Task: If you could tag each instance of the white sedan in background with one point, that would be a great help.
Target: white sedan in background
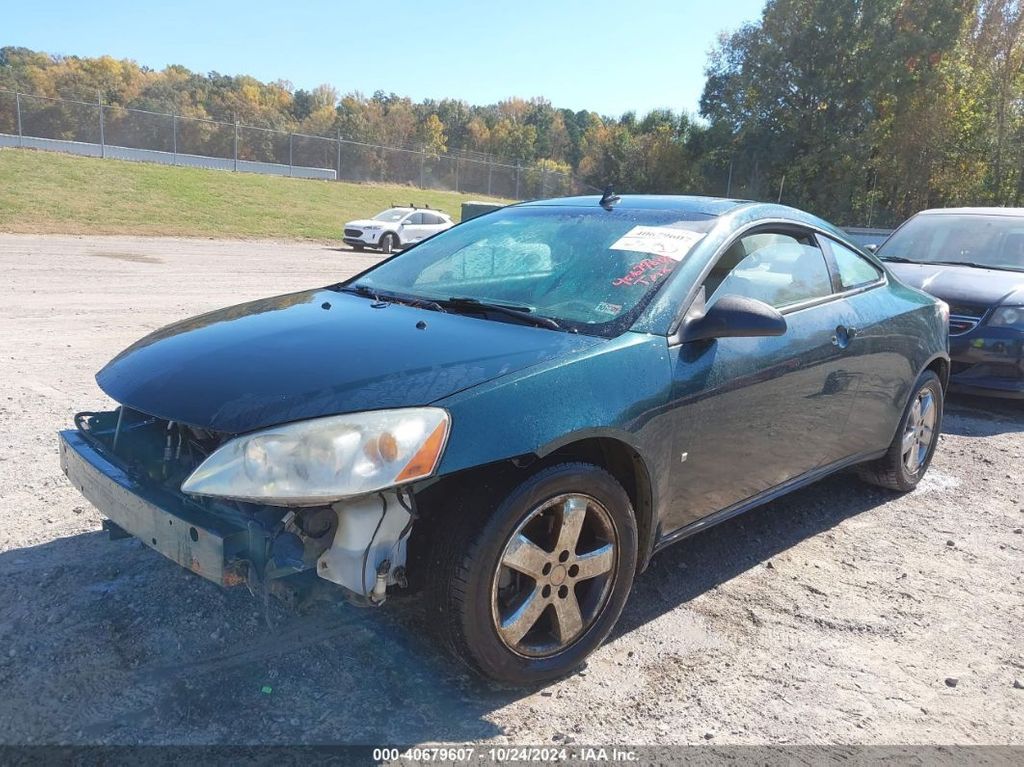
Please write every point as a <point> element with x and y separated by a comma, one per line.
<point>396,228</point>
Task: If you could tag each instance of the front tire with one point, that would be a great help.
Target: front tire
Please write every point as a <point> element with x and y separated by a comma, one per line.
<point>388,243</point>
<point>911,451</point>
<point>358,248</point>
<point>523,595</point>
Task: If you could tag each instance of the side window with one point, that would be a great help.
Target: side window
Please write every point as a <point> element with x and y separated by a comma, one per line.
<point>415,218</point>
<point>779,269</point>
<point>430,218</point>
<point>854,269</point>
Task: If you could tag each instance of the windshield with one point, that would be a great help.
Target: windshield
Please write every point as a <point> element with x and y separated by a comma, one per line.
<point>992,241</point>
<point>391,215</point>
<point>589,270</point>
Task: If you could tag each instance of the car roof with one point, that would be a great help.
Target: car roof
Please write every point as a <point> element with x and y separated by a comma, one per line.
<point>973,212</point>
<point>406,209</point>
<point>714,207</point>
<point>709,206</point>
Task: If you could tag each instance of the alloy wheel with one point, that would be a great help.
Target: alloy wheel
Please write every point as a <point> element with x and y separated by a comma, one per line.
<point>920,431</point>
<point>554,576</point>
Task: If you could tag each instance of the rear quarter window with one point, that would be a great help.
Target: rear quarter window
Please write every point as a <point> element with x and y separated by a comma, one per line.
<point>854,270</point>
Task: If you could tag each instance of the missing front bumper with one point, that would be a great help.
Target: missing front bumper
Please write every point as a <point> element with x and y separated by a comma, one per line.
<point>363,551</point>
<point>196,540</point>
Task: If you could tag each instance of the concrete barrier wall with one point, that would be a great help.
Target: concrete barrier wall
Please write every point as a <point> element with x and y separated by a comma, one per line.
<point>165,158</point>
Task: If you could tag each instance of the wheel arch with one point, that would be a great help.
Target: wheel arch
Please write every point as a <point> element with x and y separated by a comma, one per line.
<point>629,468</point>
<point>488,483</point>
<point>940,365</point>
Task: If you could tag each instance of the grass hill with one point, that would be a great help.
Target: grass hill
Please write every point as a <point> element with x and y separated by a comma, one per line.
<point>44,192</point>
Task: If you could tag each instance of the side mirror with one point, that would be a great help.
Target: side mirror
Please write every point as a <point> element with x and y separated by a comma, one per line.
<point>872,248</point>
<point>733,317</point>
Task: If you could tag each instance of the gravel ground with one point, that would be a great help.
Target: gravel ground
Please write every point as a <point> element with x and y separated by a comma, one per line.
<point>841,614</point>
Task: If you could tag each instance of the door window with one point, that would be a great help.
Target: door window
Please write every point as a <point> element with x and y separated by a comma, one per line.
<point>779,269</point>
<point>415,218</point>
<point>854,269</point>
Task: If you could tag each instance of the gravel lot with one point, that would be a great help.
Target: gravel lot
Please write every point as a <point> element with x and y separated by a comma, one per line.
<point>839,614</point>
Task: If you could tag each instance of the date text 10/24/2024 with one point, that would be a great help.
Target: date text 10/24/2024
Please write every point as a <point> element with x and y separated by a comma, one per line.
<point>503,754</point>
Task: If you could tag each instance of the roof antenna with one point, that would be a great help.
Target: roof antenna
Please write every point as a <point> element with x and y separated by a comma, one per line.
<point>609,198</point>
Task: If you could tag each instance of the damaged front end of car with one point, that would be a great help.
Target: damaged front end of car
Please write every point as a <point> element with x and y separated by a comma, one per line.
<point>330,496</point>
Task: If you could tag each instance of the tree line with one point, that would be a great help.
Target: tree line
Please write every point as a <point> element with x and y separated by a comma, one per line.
<point>862,111</point>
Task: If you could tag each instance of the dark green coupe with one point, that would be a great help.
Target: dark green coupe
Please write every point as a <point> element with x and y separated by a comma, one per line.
<point>511,418</point>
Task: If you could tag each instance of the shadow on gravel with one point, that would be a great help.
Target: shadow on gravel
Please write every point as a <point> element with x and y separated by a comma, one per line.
<point>106,642</point>
<point>710,558</point>
<point>982,416</point>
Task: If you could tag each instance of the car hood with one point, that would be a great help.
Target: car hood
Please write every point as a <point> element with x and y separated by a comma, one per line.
<point>365,222</point>
<point>318,353</point>
<point>963,284</point>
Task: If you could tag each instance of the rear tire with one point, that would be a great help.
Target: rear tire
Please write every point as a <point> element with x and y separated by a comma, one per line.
<point>388,243</point>
<point>572,526</point>
<point>911,451</point>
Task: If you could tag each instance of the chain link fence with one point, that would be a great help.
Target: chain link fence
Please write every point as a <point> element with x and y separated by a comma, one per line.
<point>100,130</point>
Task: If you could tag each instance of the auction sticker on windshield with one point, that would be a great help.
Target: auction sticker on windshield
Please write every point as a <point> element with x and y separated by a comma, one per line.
<point>660,240</point>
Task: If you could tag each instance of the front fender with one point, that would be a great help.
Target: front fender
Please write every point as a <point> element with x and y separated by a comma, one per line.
<point>617,388</point>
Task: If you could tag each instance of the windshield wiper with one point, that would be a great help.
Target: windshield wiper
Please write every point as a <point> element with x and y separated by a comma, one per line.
<point>362,290</point>
<point>972,264</point>
<point>414,301</point>
<point>898,259</point>
<point>979,266</point>
<point>521,313</point>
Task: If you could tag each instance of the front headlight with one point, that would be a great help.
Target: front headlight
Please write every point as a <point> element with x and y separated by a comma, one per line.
<point>1008,317</point>
<point>371,228</point>
<point>309,463</point>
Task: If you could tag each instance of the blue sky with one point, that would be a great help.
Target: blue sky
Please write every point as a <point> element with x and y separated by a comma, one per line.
<point>605,55</point>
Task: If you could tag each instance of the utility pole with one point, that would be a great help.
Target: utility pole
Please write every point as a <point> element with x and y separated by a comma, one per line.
<point>174,136</point>
<point>99,105</point>
<point>782,186</point>
<point>871,198</point>
<point>728,185</point>
<point>17,105</point>
<point>337,172</point>
<point>291,136</point>
<point>235,119</point>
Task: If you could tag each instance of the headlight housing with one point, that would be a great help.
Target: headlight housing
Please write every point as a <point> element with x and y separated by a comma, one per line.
<point>371,228</point>
<point>309,463</point>
<point>1008,317</point>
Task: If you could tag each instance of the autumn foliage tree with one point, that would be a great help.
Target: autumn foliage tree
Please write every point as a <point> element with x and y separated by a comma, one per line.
<point>862,111</point>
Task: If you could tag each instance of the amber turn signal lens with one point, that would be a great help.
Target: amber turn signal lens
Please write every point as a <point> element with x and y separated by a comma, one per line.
<point>425,461</point>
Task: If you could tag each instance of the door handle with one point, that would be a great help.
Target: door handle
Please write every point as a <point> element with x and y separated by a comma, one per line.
<point>842,336</point>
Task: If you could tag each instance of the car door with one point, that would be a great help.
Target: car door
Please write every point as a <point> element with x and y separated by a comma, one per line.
<point>413,229</point>
<point>751,414</point>
<point>877,357</point>
<point>432,224</point>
